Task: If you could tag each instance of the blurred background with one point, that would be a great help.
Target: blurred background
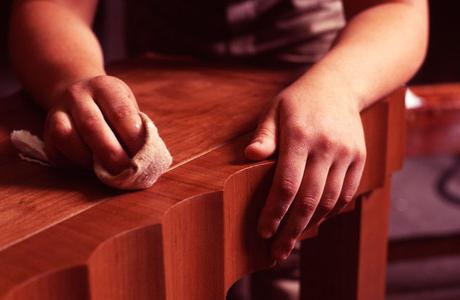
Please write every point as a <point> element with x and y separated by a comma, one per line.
<point>424,253</point>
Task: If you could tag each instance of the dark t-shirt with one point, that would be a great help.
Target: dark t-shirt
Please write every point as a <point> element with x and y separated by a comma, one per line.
<point>298,31</point>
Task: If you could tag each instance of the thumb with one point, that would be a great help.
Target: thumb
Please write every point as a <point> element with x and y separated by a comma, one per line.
<point>263,143</point>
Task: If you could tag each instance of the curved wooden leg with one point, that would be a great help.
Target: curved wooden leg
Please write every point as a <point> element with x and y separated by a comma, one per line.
<point>347,260</point>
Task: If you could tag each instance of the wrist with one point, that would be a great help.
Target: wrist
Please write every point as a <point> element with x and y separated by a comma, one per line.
<point>332,81</point>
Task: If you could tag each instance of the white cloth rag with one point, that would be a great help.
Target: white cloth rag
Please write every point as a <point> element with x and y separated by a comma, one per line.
<point>152,160</point>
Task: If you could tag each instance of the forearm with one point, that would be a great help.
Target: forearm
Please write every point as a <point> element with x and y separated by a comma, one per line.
<point>52,46</point>
<point>379,50</point>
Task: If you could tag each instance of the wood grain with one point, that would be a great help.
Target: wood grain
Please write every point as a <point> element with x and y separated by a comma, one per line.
<point>192,234</point>
<point>193,118</point>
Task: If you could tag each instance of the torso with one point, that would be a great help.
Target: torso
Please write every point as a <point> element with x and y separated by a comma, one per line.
<point>284,30</point>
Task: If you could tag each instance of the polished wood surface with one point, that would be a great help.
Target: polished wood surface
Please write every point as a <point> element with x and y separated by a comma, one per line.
<point>194,114</point>
<point>190,236</point>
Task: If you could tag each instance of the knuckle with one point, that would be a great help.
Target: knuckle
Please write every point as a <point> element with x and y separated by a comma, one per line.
<point>298,132</point>
<point>326,206</point>
<point>330,197</point>
<point>345,151</point>
<point>361,154</point>
<point>111,84</point>
<point>306,205</point>
<point>284,103</point>
<point>264,132</point>
<point>348,196</point>
<point>107,88</point>
<point>122,112</point>
<point>58,130</point>
<point>73,91</point>
<point>325,143</point>
<point>102,80</point>
<point>90,122</point>
<point>293,232</point>
<point>277,212</point>
<point>287,188</point>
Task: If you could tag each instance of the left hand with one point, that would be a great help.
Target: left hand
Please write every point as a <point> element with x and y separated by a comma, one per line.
<point>319,136</point>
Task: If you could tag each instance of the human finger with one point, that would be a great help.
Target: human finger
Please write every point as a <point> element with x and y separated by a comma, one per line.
<point>263,144</point>
<point>120,110</point>
<point>286,181</point>
<point>332,190</point>
<point>61,133</point>
<point>303,207</point>
<point>350,185</point>
<point>98,135</point>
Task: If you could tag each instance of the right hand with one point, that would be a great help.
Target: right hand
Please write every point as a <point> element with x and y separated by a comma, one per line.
<point>94,118</point>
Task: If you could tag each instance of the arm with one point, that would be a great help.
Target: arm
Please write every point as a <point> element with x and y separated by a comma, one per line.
<point>381,48</point>
<point>59,61</point>
<point>315,122</point>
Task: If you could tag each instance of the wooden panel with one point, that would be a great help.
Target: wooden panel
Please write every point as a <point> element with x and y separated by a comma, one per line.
<point>347,260</point>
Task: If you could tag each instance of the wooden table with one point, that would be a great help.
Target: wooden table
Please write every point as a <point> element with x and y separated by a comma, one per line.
<point>433,128</point>
<point>66,236</point>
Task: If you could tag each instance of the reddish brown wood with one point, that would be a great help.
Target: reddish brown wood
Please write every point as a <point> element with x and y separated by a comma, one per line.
<point>192,234</point>
<point>348,258</point>
<point>194,117</point>
<point>415,248</point>
<point>434,127</point>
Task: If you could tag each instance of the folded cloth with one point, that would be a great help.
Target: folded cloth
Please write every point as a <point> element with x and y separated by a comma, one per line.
<point>30,147</point>
<point>152,160</point>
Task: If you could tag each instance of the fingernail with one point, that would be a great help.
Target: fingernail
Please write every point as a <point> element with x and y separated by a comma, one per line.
<point>257,143</point>
<point>284,256</point>
<point>279,256</point>
<point>265,233</point>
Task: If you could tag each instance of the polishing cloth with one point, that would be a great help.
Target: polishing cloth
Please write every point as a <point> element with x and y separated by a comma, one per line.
<point>152,160</point>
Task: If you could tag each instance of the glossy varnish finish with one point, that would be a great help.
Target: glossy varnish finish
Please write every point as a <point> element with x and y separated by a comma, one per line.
<point>190,236</point>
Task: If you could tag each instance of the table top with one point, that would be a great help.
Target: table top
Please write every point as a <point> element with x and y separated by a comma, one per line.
<point>205,113</point>
<point>434,126</point>
<point>194,115</point>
